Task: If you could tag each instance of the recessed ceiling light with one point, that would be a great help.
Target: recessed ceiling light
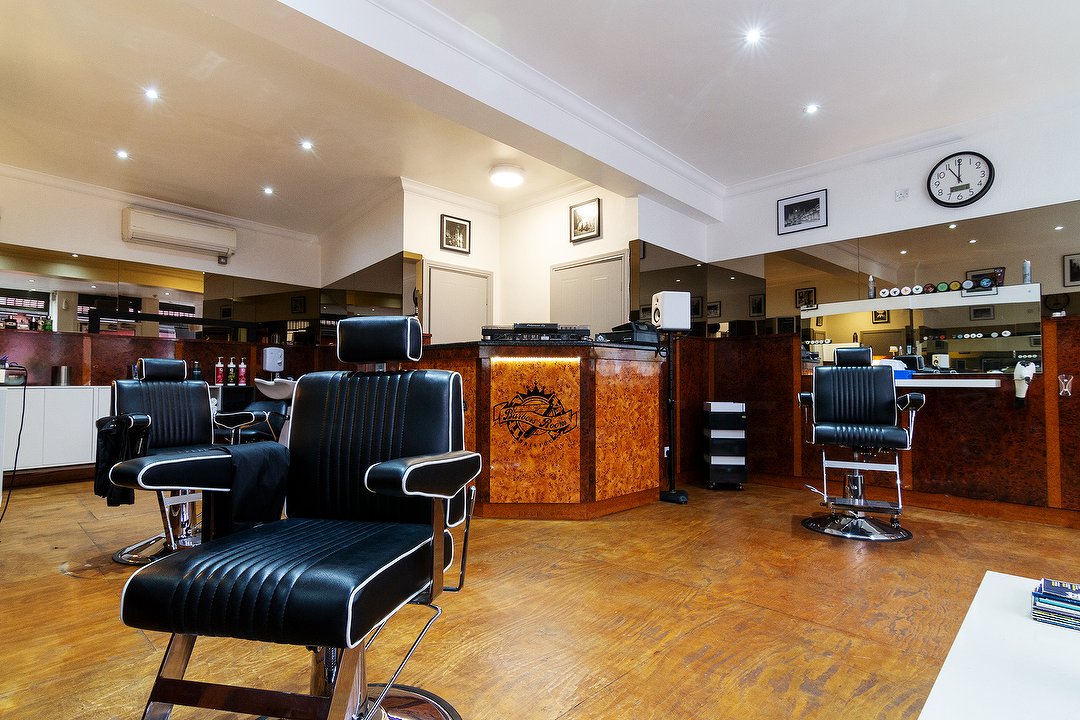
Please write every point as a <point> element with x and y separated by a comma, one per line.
<point>952,226</point>
<point>972,241</point>
<point>151,93</point>
<point>75,255</point>
<point>93,287</point>
<point>676,280</point>
<point>307,144</point>
<point>732,277</point>
<point>753,35</point>
<point>31,280</point>
<point>506,175</point>
<point>698,265</point>
<point>122,154</point>
<point>811,108</point>
<point>166,294</point>
<point>903,252</point>
<point>1059,227</point>
<point>268,190</point>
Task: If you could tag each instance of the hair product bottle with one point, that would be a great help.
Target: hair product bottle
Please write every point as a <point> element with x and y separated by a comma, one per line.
<point>219,372</point>
<point>241,376</point>
<point>230,372</point>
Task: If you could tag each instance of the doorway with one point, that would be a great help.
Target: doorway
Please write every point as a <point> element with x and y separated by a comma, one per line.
<point>457,303</point>
<point>593,292</point>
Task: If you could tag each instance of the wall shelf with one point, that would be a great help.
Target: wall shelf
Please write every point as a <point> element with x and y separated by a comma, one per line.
<point>1031,292</point>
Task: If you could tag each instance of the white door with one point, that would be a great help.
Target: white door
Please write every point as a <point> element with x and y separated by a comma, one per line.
<point>593,293</point>
<point>458,303</point>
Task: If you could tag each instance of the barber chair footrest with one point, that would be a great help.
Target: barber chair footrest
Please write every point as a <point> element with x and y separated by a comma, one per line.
<point>862,505</point>
<point>403,702</point>
<point>856,528</point>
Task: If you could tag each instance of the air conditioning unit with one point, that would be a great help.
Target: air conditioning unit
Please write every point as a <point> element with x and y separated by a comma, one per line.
<point>149,227</point>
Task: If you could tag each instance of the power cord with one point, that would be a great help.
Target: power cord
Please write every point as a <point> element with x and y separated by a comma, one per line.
<point>18,443</point>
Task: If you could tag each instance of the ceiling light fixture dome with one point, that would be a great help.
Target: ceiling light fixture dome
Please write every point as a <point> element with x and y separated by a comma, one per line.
<point>506,175</point>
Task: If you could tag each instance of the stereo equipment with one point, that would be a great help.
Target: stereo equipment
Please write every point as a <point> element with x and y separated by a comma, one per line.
<point>633,333</point>
<point>671,310</point>
<point>535,331</point>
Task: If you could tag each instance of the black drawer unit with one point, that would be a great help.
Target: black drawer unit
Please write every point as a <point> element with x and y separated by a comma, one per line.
<point>725,454</point>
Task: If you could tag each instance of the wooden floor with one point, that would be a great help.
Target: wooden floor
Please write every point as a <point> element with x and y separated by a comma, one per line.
<point>724,608</point>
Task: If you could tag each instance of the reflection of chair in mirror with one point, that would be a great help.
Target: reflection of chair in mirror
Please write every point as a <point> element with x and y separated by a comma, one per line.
<point>376,474</point>
<point>854,405</point>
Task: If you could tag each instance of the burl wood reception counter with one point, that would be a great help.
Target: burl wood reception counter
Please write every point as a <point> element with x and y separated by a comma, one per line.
<point>568,430</point>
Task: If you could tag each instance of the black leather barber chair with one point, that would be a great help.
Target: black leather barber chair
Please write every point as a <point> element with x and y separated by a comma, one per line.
<point>264,422</point>
<point>376,474</point>
<point>162,412</point>
<point>854,406</point>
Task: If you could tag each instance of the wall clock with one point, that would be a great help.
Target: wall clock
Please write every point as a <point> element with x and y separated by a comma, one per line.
<point>960,179</point>
<point>1055,302</point>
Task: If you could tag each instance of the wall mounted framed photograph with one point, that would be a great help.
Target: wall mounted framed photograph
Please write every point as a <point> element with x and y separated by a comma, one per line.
<point>983,282</point>
<point>806,298</point>
<point>1071,269</point>
<point>802,212</point>
<point>298,304</point>
<point>879,317</point>
<point>697,309</point>
<point>455,234</point>
<point>981,312</point>
<point>585,220</point>
<point>757,305</point>
<point>713,309</point>
<point>819,321</point>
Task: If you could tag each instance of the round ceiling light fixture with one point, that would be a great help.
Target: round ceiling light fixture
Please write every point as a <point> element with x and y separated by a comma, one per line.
<point>506,175</point>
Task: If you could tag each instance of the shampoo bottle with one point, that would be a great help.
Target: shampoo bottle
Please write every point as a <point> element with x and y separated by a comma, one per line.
<point>241,376</point>
<point>219,372</point>
<point>196,372</point>
<point>230,372</point>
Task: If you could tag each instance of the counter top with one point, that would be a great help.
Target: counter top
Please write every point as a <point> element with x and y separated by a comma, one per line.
<point>945,381</point>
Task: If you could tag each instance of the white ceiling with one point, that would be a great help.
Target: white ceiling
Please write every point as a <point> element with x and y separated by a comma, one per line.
<point>243,81</point>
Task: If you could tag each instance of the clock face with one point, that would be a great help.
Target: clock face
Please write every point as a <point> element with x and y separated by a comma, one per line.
<point>1056,301</point>
<point>960,179</point>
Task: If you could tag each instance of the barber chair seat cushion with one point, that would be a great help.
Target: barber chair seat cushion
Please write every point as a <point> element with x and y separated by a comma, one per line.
<point>299,581</point>
<point>868,437</point>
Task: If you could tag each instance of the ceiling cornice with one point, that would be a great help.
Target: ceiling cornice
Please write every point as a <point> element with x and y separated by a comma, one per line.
<point>431,42</point>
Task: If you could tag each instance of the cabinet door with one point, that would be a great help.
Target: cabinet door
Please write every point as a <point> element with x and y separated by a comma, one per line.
<point>69,426</point>
<point>30,420</point>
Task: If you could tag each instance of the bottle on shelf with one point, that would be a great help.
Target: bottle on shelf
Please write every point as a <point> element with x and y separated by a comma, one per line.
<point>196,371</point>
<point>219,372</point>
<point>230,372</point>
<point>241,373</point>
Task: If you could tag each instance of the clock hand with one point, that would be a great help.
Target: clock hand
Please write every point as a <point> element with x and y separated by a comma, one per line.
<point>958,163</point>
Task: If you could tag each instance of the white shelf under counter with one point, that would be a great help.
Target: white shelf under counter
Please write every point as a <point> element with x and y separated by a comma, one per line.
<point>947,382</point>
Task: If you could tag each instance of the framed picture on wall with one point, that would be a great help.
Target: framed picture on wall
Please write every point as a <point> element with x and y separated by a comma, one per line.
<point>713,309</point>
<point>981,312</point>
<point>696,308</point>
<point>585,220</point>
<point>298,304</point>
<point>806,298</point>
<point>1071,268</point>
<point>879,317</point>
<point>757,305</point>
<point>983,282</point>
<point>454,234</point>
<point>802,212</point>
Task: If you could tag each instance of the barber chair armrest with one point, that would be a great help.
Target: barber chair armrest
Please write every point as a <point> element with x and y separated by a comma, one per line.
<point>806,398</point>
<point>129,421</point>
<point>195,469</point>
<point>911,402</point>
<point>442,475</point>
<point>240,419</point>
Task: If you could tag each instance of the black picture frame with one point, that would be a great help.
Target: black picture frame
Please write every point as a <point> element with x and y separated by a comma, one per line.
<point>806,298</point>
<point>802,212</point>
<point>712,309</point>
<point>879,317</point>
<point>1070,269</point>
<point>997,279</point>
<point>757,305</point>
<point>981,312</point>
<point>697,310</point>
<point>298,304</point>
<point>455,234</point>
<point>585,220</point>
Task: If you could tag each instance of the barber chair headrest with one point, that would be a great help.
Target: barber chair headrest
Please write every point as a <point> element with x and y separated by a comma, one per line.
<point>912,362</point>
<point>854,357</point>
<point>379,339</point>
<point>161,369</point>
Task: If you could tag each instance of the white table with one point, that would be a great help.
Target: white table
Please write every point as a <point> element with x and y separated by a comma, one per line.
<point>1003,664</point>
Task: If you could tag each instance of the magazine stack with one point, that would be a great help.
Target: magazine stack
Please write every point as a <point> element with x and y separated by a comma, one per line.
<point>1056,603</point>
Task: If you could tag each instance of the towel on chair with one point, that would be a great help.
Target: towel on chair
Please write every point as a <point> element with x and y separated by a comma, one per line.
<point>260,471</point>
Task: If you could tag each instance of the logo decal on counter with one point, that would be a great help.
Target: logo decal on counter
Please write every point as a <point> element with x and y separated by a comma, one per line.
<point>535,415</point>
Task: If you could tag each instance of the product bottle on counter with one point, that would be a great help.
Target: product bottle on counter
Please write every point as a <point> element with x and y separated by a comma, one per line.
<point>196,371</point>
<point>230,372</point>
<point>241,373</point>
<point>219,372</point>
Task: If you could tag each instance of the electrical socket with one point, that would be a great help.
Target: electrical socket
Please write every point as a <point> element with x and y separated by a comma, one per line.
<point>901,194</point>
<point>667,450</point>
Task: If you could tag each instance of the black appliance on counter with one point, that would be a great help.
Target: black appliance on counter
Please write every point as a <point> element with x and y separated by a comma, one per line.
<point>534,331</point>
<point>632,333</point>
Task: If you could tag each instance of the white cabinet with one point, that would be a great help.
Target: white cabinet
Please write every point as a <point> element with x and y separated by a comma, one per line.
<point>57,423</point>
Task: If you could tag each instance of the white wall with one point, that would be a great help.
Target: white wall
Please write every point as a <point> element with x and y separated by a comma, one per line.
<point>1032,162</point>
<point>660,225</point>
<point>43,211</point>
<point>537,237</point>
<point>363,240</point>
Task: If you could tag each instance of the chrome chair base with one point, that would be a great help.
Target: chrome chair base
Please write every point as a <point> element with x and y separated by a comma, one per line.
<point>856,526</point>
<point>143,552</point>
<point>403,702</point>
